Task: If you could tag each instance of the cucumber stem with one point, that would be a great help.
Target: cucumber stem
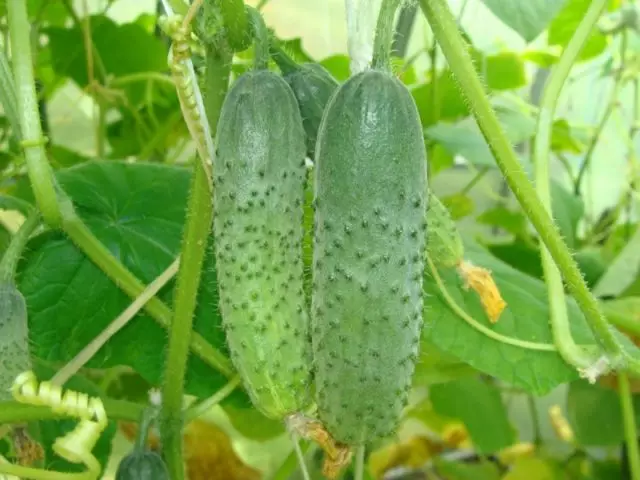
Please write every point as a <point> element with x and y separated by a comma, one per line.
<point>385,29</point>
<point>359,468</point>
<point>570,352</point>
<point>261,39</point>
<point>16,247</point>
<point>38,168</point>
<point>629,424</point>
<point>285,63</point>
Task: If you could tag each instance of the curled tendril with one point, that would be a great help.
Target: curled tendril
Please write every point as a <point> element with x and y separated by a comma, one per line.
<point>76,446</point>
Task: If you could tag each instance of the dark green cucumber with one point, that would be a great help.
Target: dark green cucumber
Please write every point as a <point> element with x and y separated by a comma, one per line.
<point>444,244</point>
<point>14,338</point>
<point>259,179</point>
<point>370,228</point>
<point>142,465</point>
<point>313,86</point>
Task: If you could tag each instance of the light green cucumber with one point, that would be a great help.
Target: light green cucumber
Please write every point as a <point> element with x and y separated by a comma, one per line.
<point>14,337</point>
<point>370,229</point>
<point>444,244</point>
<point>259,182</point>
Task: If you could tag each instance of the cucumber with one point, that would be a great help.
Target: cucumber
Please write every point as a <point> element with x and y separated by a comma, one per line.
<point>14,338</point>
<point>370,230</point>
<point>142,465</point>
<point>259,181</point>
<point>313,86</point>
<point>444,244</point>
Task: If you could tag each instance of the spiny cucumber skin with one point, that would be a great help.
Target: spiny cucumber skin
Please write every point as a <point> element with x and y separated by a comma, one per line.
<point>259,177</point>
<point>370,228</point>
<point>444,244</point>
<point>14,338</point>
<point>313,86</point>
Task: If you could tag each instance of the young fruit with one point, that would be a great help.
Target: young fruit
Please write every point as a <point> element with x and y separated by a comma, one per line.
<point>14,338</point>
<point>259,178</point>
<point>313,86</point>
<point>142,465</point>
<point>444,244</point>
<point>370,199</point>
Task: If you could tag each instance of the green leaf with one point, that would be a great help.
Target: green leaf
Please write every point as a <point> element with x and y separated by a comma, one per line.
<point>439,160</point>
<point>465,139</point>
<point>591,264</point>
<point>436,366</point>
<point>567,212</point>
<point>48,12</point>
<point>479,406</point>
<point>565,24</point>
<point>459,205</point>
<point>624,313</point>
<point>502,71</point>
<point>595,415</point>
<point>252,424</point>
<point>521,256</point>
<point>137,211</point>
<point>62,157</point>
<point>526,317</point>
<point>564,139</point>
<point>543,58</point>
<point>118,50</point>
<point>511,221</point>
<point>52,429</point>
<point>338,66</point>
<point>623,270</point>
<point>462,471</point>
<point>532,468</point>
<point>528,18</point>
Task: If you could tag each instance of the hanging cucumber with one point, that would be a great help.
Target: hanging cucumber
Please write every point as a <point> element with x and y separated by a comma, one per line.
<point>14,331</point>
<point>259,178</point>
<point>313,86</point>
<point>370,228</point>
<point>444,244</point>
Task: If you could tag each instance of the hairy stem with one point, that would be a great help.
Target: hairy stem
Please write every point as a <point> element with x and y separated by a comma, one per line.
<point>384,34</point>
<point>560,326</point>
<point>40,173</point>
<point>17,245</point>
<point>261,42</point>
<point>203,407</point>
<point>446,31</point>
<point>629,424</point>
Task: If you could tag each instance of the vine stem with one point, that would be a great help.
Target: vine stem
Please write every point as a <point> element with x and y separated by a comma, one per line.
<point>203,407</point>
<point>15,412</point>
<point>359,469</point>
<point>446,32</point>
<point>196,235</point>
<point>384,34</point>
<point>629,424</point>
<point>17,245</point>
<point>72,367</point>
<point>40,174</point>
<point>561,329</point>
<point>57,210</point>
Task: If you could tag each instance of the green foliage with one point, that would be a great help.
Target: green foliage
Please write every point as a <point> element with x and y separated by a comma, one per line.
<point>529,19</point>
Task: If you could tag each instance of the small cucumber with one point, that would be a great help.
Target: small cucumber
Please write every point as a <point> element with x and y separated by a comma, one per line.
<point>313,86</point>
<point>142,465</point>
<point>444,244</point>
<point>14,338</point>
<point>259,182</point>
<point>370,230</point>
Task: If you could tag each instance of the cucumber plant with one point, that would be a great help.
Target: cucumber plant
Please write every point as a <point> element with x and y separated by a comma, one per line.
<point>350,269</point>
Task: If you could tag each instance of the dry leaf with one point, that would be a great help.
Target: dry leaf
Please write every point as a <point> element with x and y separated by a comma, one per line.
<point>208,452</point>
<point>28,451</point>
<point>337,455</point>
<point>412,453</point>
<point>481,281</point>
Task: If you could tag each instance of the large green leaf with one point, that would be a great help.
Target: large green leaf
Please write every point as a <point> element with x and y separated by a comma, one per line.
<point>595,415</point>
<point>623,270</point>
<point>526,318</point>
<point>137,211</point>
<point>528,18</point>
<point>502,71</point>
<point>565,24</point>
<point>479,406</point>
<point>465,138</point>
